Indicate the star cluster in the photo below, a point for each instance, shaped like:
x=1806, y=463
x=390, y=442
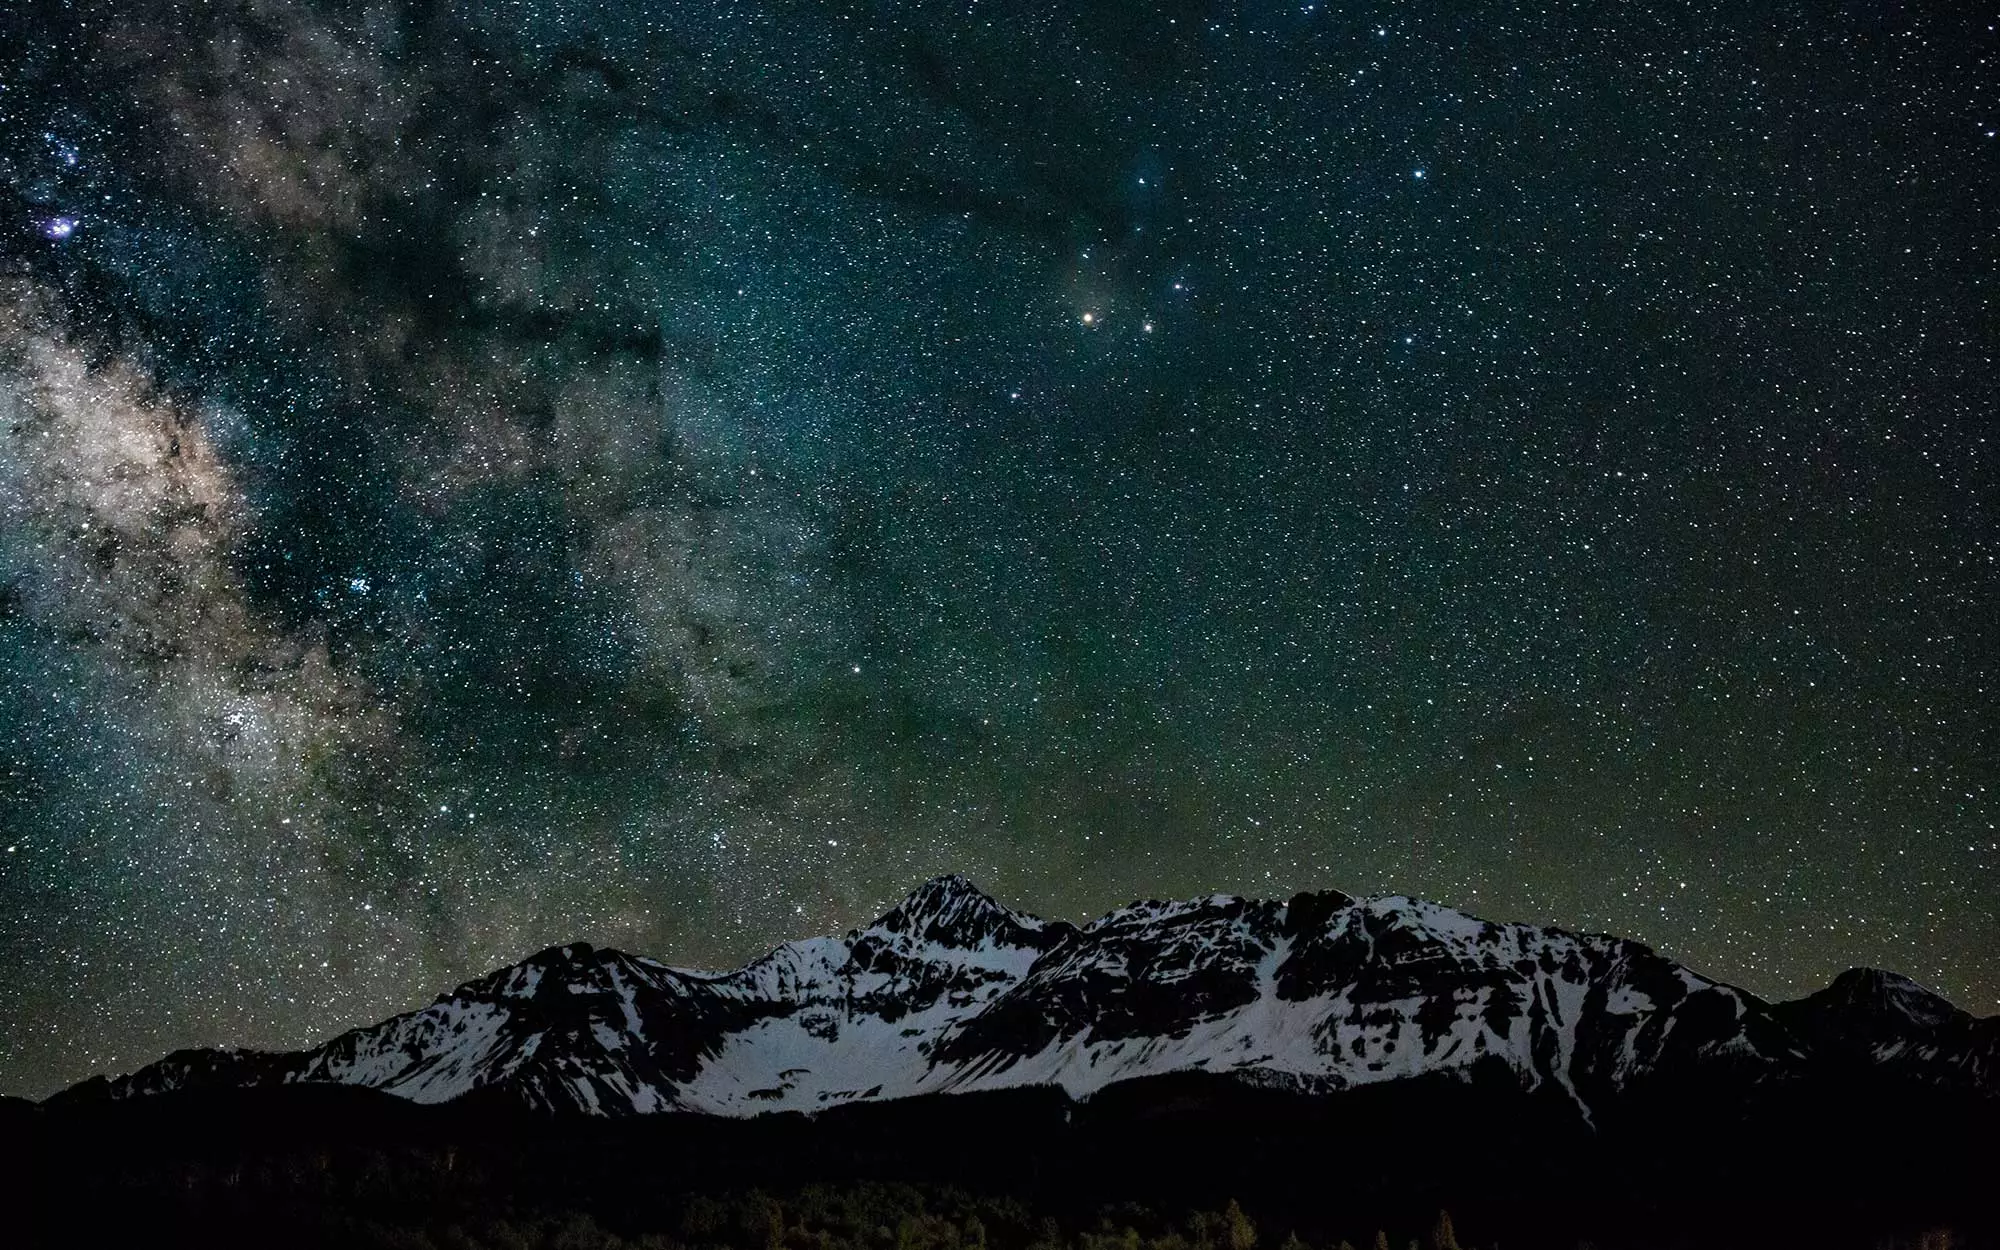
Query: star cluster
x=675, y=475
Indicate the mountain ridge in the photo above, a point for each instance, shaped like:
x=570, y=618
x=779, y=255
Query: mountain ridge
x=950, y=991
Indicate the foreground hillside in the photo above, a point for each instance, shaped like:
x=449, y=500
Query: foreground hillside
x=1026, y=1169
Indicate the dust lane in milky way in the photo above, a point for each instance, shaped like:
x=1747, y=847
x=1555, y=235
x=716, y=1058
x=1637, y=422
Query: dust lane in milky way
x=678, y=475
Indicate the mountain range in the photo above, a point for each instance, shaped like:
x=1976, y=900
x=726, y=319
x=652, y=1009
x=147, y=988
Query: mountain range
x=950, y=992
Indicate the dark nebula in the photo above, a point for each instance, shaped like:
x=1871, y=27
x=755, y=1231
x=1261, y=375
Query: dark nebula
x=676, y=475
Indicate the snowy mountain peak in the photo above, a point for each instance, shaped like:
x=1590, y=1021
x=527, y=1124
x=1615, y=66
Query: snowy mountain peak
x=1874, y=991
x=951, y=911
x=573, y=968
x=1898, y=1026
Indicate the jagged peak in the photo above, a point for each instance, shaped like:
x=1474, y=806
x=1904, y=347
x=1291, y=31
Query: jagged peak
x=1879, y=990
x=1874, y=979
x=950, y=909
x=949, y=885
x=565, y=962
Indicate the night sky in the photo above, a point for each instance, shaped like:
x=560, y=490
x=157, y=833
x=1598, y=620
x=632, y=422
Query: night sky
x=677, y=474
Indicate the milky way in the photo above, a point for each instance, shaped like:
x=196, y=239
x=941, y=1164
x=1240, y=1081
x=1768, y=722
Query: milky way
x=675, y=475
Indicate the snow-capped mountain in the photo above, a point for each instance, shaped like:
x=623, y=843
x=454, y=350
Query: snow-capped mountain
x=1891, y=1023
x=951, y=992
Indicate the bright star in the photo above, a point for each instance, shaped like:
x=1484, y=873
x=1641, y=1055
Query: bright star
x=58, y=228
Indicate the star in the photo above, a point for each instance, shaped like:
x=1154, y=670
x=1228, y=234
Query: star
x=522, y=570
